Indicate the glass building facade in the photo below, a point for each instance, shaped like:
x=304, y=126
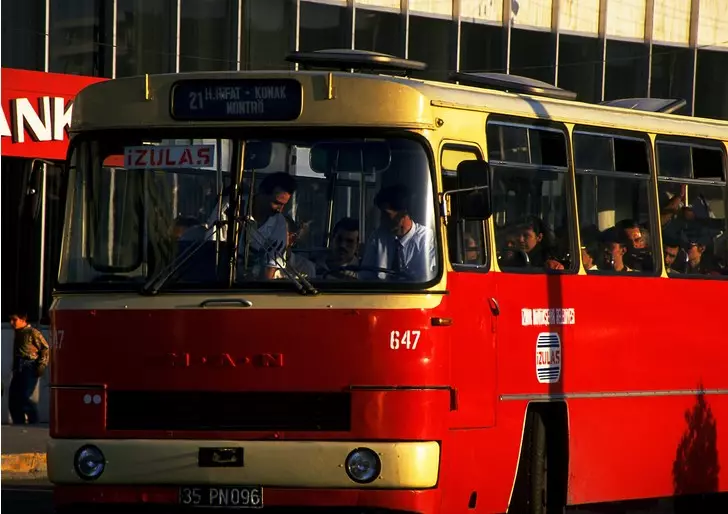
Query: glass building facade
x=602, y=49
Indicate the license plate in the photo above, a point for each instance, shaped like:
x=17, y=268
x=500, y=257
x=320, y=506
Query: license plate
x=230, y=496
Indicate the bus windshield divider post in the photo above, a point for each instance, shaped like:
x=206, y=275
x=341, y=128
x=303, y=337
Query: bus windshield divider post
x=233, y=234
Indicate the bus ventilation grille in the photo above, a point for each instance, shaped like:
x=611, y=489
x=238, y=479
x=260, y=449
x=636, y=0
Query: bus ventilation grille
x=159, y=410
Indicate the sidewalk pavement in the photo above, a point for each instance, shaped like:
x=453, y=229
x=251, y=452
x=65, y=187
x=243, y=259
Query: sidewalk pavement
x=24, y=450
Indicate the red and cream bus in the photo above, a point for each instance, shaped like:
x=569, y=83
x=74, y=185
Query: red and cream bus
x=366, y=293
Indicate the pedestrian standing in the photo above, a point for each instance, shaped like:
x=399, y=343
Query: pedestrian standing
x=30, y=360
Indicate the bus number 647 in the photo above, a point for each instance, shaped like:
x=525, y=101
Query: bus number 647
x=408, y=339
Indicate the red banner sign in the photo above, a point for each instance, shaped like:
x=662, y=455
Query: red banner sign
x=36, y=112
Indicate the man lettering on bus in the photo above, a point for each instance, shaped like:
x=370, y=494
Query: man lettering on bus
x=400, y=244
x=30, y=359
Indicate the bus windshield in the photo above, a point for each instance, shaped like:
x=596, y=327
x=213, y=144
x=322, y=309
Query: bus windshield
x=344, y=212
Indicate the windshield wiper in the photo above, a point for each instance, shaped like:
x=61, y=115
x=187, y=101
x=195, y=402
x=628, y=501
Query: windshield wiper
x=157, y=282
x=303, y=286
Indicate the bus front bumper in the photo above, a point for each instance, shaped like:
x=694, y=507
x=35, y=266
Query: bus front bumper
x=276, y=464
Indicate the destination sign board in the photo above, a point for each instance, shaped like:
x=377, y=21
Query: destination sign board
x=237, y=99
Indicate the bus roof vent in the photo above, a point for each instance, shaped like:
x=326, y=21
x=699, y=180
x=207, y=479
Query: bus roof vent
x=512, y=84
x=664, y=105
x=346, y=59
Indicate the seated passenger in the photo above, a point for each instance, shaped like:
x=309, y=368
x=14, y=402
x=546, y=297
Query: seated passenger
x=615, y=248
x=590, y=247
x=671, y=249
x=637, y=239
x=297, y=262
x=400, y=244
x=696, y=264
x=471, y=250
x=343, y=250
x=536, y=240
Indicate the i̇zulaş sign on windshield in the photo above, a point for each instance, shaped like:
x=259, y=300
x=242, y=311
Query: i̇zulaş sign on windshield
x=237, y=99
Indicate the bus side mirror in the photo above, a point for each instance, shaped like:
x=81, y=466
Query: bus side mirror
x=473, y=193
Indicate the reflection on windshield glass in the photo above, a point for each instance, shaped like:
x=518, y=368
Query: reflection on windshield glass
x=346, y=211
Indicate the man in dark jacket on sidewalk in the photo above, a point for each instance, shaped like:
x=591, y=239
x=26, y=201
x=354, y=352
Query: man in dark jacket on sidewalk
x=30, y=359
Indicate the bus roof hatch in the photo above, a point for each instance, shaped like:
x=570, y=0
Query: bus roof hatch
x=346, y=59
x=512, y=84
x=664, y=105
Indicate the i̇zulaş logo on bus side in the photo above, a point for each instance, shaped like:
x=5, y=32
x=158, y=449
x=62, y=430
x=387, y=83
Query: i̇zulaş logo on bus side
x=548, y=357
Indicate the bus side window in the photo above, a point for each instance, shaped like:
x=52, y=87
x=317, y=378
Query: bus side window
x=691, y=185
x=530, y=196
x=612, y=192
x=466, y=239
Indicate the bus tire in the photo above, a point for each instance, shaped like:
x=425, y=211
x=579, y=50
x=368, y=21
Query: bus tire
x=536, y=490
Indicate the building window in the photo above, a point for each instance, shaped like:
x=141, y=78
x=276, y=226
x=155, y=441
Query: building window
x=145, y=37
x=81, y=37
x=208, y=35
x=711, y=85
x=672, y=74
x=481, y=48
x=533, y=54
x=626, y=73
x=378, y=31
x=323, y=26
x=23, y=38
x=430, y=42
x=269, y=30
x=580, y=67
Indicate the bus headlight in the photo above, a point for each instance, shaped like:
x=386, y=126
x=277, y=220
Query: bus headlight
x=89, y=462
x=363, y=465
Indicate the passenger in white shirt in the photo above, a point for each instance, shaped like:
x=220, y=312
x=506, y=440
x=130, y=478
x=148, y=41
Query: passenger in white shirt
x=274, y=193
x=400, y=244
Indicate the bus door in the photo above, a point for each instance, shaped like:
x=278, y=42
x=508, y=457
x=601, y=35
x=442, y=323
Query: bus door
x=471, y=303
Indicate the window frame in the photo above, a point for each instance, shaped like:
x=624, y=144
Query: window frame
x=571, y=221
x=475, y=149
x=648, y=178
x=692, y=142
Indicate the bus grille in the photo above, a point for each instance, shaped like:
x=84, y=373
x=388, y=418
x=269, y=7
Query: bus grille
x=153, y=410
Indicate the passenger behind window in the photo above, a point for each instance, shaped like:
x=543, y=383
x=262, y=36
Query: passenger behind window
x=616, y=245
x=343, y=251
x=672, y=254
x=590, y=247
x=537, y=240
x=291, y=260
x=471, y=250
x=400, y=244
x=637, y=239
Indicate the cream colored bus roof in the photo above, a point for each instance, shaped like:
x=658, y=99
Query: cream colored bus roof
x=364, y=101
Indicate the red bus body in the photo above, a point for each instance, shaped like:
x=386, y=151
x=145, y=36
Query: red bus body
x=642, y=399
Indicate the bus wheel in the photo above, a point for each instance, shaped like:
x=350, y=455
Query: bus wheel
x=530, y=494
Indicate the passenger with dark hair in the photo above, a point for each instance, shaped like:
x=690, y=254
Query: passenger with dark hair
x=536, y=240
x=616, y=245
x=269, y=235
x=30, y=360
x=671, y=249
x=400, y=244
x=343, y=251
